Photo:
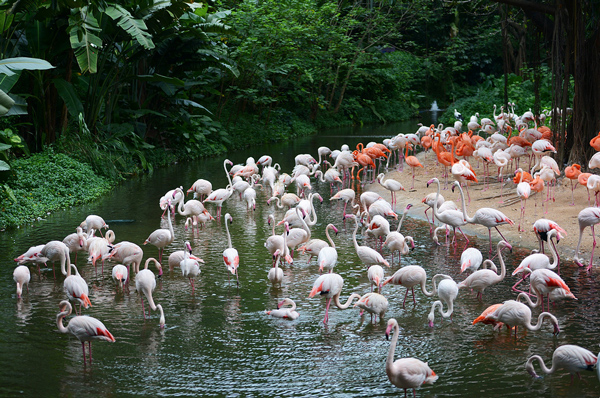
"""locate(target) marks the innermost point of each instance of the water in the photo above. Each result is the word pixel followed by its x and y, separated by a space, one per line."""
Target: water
pixel 219 342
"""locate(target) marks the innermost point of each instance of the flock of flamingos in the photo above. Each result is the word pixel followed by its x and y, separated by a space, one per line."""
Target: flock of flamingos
pixel 502 147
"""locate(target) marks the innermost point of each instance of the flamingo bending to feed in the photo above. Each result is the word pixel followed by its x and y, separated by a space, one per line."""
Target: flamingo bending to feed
pixel 128 254
pixel 286 313
pixel 487 320
pixel 373 303
pixel 470 259
pixel 410 276
pixel 569 357
pixel 447 291
pixel 75 241
pixel 515 314
pixel 486 216
pixel 93 222
pixel 453 218
pixel 406 372
pixel 31 256
pixel 145 282
pixel 542 226
pixel 278 242
pixel 201 188
pixel 85 328
pixel 347 195
pixel 55 251
pixel 77 289
pixel 120 274
pixel 314 246
pixel 538 261
pixel 230 255
pixel 395 240
pixel 162 237
pixel 275 274
pixel 483 278
pixel 375 274
pixel 21 276
pixel 330 286
pixel 587 217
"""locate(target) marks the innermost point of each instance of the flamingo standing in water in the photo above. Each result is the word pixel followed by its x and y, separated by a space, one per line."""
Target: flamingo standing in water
pixel 544 282
pixel 367 255
pixel 515 314
pixel 483 278
pixel 373 303
pixel 410 276
pixel 21 276
pixel 569 357
pixel 347 195
pixel 453 218
pixel 330 286
pixel 77 289
pixel 230 255
pixel 406 372
pixel 189 266
pixel 447 291
pixel 541 228
pixel 162 237
pixel 392 185
pixel 145 282
pixel 85 328
pixel 470 259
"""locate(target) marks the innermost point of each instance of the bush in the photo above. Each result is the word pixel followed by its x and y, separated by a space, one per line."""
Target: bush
pixel 46 182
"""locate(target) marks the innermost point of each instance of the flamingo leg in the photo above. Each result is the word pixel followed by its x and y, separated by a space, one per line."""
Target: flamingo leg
pixel 593 247
pixel 412 289
pixel 90 350
pixel 405 295
pixel 326 319
pixel 83 348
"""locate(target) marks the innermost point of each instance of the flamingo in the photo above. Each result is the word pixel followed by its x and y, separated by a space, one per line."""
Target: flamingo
pixel 410 276
pixel 145 282
pixel 572 172
pixel 327 258
pixel 218 197
pixel 55 251
pixel 367 255
pixel 275 274
pixel 486 319
pixel 486 216
pixel 483 278
pixel 582 180
pixel 523 192
pixel 75 241
pixel 515 314
pixel 287 313
pixel 453 218
pixel 77 289
pixel 201 188
pixel 85 328
pixel 392 185
pixel 191 208
pixel 330 286
pixel 429 200
pixel 120 274
pixel 413 162
pixel 537 261
pixel 447 291
pixel 543 282
pixel 93 222
pixel 501 159
pixel 189 267
pixel 379 227
pixel 470 259
pixel 375 274
pixel 21 276
pixel 542 226
pixel 373 303
pixel 162 237
pixel 587 217
pixel 314 246
pixel 569 357
pixel 31 256
pixel 128 254
pixel 230 255
pixel 395 240
pixel 278 242
pixel 406 372
pixel 347 195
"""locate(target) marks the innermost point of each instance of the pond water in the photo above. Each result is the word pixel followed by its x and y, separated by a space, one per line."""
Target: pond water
pixel 219 342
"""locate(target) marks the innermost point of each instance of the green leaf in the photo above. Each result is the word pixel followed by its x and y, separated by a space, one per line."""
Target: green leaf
pixel 191 103
pixel 8 65
pixel 84 41
pixel 4 167
pixel 155 78
pixel 5 103
pixel 69 96
pixel 136 28
pixel 4 147
pixel 19 107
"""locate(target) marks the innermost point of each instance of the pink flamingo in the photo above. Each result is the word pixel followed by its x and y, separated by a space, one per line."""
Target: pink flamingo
pixel 329 286
pixel 523 192
pixel 162 237
pixel 85 328
pixel 569 357
pixel 587 217
pixel 145 282
pixel 230 255
pixel 410 276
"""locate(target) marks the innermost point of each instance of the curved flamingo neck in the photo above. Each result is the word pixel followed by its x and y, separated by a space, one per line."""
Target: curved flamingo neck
pixel 424 288
pixel 502 265
pixel 464 206
pixel 162 315
pixel 331 243
pixel 390 358
pixel 61 315
pixel 227 172
pixel 356 247
pixel 336 301
pixel 540 319
pixel 528 300
pixel 542 364
pixel 401 220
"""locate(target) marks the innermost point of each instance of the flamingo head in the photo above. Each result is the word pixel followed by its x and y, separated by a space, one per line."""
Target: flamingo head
pixel 430 182
pixel 334 229
pixel 388 330
pixel 188 247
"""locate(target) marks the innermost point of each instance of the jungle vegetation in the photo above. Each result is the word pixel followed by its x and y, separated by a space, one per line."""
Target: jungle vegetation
pixel 136 84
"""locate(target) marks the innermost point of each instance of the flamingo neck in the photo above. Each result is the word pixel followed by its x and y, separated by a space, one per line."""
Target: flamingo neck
pixel 390 358
pixel 228 235
pixel 336 301
pixel 464 206
pixel 545 369
pixel 331 243
pixel 162 315
pixel 226 172
pixel 424 288
pixel 502 265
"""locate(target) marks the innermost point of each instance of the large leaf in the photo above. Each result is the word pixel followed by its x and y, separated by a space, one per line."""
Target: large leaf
pixel 8 65
pixel 5 103
pixel 69 96
pixel 83 28
pixel 136 28
pixel 19 107
pixel 4 166
pixel 156 78
pixel 191 103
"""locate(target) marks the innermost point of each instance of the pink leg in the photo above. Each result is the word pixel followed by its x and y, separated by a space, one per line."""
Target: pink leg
pixel 593 247
pixel 90 350
pixel 326 319
pixel 83 348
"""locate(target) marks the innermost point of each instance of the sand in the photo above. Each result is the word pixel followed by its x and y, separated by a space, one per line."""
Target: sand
pixel 561 211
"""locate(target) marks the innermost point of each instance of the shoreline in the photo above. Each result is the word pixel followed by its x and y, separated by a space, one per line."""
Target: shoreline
pixel 559 211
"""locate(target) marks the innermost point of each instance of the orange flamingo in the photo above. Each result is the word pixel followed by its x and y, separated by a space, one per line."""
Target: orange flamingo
pixel 364 160
pixel 526 177
pixel 413 162
pixel 582 179
pixel 572 173
pixel 537 185
pixel 595 142
pixel 444 158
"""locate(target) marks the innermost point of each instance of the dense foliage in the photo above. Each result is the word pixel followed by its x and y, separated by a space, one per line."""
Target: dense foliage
pixel 45 182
